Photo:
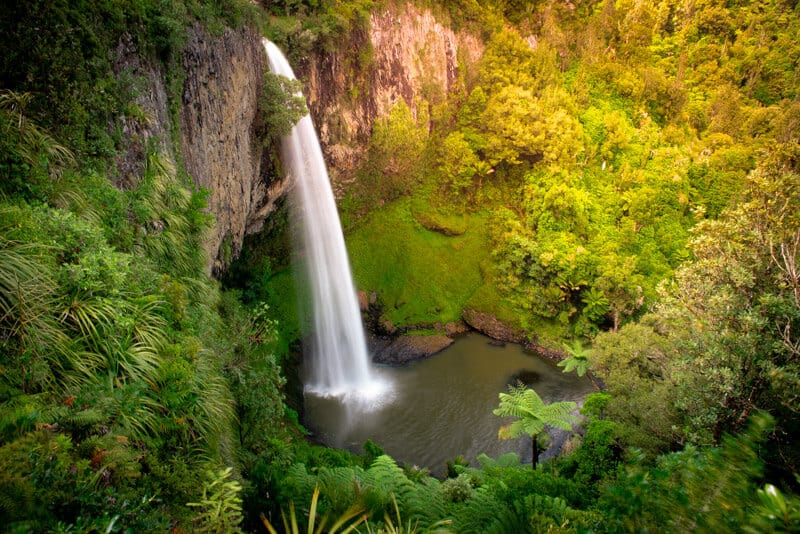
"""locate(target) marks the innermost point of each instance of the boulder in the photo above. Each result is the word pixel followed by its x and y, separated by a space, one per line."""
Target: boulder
pixel 408 348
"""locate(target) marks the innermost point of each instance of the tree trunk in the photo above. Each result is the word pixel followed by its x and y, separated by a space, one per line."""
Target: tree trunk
pixel 535 451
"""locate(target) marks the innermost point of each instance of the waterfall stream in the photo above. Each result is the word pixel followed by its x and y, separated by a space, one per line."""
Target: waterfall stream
pixel 337 361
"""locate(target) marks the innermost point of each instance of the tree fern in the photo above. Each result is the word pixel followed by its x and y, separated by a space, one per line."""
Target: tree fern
pixel 296 485
pixel 532 415
pixel 578 359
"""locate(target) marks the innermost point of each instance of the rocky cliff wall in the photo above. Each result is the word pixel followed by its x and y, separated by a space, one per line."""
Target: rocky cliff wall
pixel 413 57
pixel 218 121
pixel 221 150
pixel 409 55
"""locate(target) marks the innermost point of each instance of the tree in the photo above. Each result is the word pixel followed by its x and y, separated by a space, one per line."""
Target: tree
pixel 281 105
pixel 457 162
pixel 533 416
pixel 621 285
pixel 395 151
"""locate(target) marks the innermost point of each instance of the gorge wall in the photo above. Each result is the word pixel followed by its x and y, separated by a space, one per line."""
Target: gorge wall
pixel 217 126
pixel 219 140
pixel 413 57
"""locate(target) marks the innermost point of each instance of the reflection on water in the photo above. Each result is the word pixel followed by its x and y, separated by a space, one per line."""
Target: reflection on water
pixel 441 407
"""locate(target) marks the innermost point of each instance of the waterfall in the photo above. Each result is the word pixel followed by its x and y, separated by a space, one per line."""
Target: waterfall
pixel 338 362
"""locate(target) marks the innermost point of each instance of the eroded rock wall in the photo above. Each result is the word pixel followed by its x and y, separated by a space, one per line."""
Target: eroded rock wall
pixel 217 125
pixel 413 57
pixel 220 148
pixel 407 54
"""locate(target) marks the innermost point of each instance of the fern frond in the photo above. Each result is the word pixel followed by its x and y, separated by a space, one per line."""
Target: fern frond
pixel 480 512
pixel 385 478
pixel 426 504
pixel 337 484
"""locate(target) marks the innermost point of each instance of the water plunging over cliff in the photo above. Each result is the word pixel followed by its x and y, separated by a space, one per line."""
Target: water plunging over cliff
pixel 339 363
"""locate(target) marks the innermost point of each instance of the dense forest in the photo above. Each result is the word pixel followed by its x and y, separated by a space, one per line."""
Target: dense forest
pixel 620 180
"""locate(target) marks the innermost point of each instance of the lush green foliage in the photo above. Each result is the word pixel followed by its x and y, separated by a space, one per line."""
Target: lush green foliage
pixel 422 276
pixel 721 343
pixel 61 50
pixel 595 138
pixel 629 175
pixel 280 105
pixel 119 358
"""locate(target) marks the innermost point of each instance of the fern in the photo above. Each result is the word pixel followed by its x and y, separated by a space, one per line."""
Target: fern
pixel 297 485
pixel 385 478
pixel 509 459
pixel 425 503
pixel 84 418
pixel 220 508
pixel 480 512
pixel 19 415
pixel 16 497
pixel 341 486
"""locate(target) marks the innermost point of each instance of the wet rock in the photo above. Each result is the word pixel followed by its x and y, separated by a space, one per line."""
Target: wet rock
pixel 407 348
pixel 219 142
pixel 363 304
pixel 490 325
pixel 388 327
pixel 455 328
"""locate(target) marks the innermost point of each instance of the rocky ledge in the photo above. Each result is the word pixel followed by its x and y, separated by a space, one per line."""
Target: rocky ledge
pixel 488 324
pixel 406 348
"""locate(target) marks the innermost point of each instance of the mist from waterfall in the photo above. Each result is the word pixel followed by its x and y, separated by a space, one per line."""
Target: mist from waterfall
pixel 337 361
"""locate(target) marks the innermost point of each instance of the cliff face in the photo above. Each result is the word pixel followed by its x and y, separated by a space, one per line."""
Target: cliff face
pixel 223 75
pixel 414 57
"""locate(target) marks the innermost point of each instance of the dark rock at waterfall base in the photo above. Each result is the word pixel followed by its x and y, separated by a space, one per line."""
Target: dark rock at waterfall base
pixel 404 349
pixel 377 344
pixel 497 343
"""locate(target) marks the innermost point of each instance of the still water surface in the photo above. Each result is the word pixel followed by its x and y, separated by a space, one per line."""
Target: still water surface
pixel 442 406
